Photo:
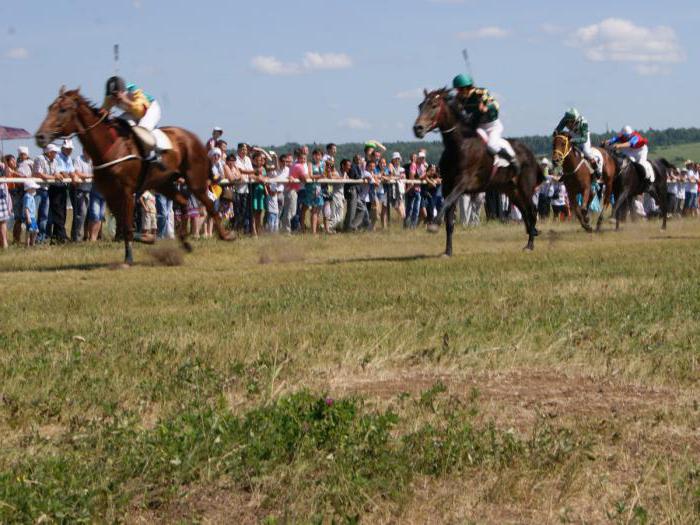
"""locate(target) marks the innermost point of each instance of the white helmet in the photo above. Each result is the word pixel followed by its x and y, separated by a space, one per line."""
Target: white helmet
pixel 627 131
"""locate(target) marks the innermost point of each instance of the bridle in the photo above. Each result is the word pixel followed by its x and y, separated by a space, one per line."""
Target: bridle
pixel 81 129
pixel 559 156
pixel 439 115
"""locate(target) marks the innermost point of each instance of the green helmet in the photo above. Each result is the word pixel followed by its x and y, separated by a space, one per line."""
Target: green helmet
pixel 572 114
pixel 462 81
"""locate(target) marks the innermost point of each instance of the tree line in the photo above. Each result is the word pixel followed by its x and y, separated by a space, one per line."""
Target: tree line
pixel 539 144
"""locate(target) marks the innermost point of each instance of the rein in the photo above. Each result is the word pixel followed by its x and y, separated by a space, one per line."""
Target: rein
pixel 83 130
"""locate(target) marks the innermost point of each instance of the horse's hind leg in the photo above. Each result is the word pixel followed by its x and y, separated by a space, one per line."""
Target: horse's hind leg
pixel 521 202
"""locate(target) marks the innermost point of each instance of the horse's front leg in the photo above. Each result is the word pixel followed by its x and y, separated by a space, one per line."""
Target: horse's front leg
pixel 449 228
pixel 128 227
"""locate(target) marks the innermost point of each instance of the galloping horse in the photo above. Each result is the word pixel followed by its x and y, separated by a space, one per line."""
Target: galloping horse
pixel 632 181
pixel 119 169
pixel 578 177
pixel 466 166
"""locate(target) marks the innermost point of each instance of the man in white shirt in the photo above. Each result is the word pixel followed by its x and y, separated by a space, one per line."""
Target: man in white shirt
pixel 80 196
pixel 241 208
pixel 46 168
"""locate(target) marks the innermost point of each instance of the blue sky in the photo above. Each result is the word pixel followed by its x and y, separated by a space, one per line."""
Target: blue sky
pixel 271 71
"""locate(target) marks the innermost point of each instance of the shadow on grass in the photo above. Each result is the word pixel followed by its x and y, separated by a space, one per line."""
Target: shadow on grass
pixel 398 258
pixel 64 267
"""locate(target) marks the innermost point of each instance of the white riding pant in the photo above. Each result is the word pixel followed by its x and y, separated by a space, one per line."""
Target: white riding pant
pixel 150 120
pixel 589 153
pixel 639 155
pixel 495 142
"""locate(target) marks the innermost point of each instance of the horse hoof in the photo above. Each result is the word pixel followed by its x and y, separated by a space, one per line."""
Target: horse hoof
pixel 433 228
pixel 187 246
pixel 529 247
pixel 148 239
pixel 446 255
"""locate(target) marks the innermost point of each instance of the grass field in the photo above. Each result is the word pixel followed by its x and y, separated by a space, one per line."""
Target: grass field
pixel 678 154
pixel 356 379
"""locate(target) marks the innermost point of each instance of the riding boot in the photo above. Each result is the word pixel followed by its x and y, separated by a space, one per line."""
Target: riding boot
pixel 512 159
pixel 156 159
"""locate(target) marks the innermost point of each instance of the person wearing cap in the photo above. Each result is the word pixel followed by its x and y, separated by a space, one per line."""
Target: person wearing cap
pixel 477 109
pixel 45 168
pixel 29 212
pixel 80 197
pixel 635 147
pixel 216 134
pixel 577 126
pixel 397 173
pixel 58 193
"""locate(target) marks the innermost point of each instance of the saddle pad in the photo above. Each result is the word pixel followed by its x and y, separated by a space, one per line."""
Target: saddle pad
pixel 598 156
pixel 162 141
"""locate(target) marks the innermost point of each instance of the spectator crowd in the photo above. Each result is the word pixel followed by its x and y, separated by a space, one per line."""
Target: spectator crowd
pixel 258 191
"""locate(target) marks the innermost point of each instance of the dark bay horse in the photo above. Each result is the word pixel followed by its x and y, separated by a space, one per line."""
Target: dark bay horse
pixel 632 181
pixel 578 177
pixel 466 166
pixel 119 170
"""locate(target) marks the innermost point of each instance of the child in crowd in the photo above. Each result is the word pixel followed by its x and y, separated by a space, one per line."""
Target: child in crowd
pixel 314 198
pixel 29 212
pixel 148 213
pixel 272 205
pixel 5 209
pixel 259 192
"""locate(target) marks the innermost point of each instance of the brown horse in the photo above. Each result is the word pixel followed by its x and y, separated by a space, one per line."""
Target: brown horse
pixel 120 172
pixel 578 177
pixel 466 166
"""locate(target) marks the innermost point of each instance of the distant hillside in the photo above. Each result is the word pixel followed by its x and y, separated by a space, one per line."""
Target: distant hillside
pixel 678 153
pixel 681 142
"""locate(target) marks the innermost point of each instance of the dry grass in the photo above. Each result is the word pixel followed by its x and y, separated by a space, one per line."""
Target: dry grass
pixel 594 334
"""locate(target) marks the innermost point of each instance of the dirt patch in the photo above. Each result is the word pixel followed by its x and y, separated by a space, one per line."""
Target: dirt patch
pixel 221 503
pixel 518 398
pixel 167 256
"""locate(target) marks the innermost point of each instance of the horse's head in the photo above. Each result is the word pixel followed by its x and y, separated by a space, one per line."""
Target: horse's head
pixel 61 119
pixel 561 147
pixel 433 113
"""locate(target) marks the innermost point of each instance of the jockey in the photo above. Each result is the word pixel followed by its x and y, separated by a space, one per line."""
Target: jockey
pixel 577 126
pixel 633 146
pixel 138 106
pixel 477 109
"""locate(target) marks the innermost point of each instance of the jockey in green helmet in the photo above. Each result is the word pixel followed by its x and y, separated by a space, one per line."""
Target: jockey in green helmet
pixel 577 126
pixel 477 109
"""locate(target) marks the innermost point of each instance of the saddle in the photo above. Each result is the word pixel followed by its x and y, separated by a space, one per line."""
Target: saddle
pixel 151 141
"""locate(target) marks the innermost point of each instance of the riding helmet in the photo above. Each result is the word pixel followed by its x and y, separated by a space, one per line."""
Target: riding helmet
pixel 572 114
pixel 462 81
pixel 115 85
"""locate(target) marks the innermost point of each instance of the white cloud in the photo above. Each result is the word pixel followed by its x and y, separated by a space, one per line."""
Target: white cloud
pixel 272 66
pixel 312 61
pixel 354 123
pixel 410 94
pixel 484 32
pixel 136 3
pixel 17 53
pixel 619 40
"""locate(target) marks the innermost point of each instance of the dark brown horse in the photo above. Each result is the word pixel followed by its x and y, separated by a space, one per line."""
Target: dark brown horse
pixel 632 181
pixel 578 177
pixel 466 166
pixel 119 169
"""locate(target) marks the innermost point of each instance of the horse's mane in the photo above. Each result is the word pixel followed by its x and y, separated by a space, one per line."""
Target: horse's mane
pixel 666 164
pixel 120 125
